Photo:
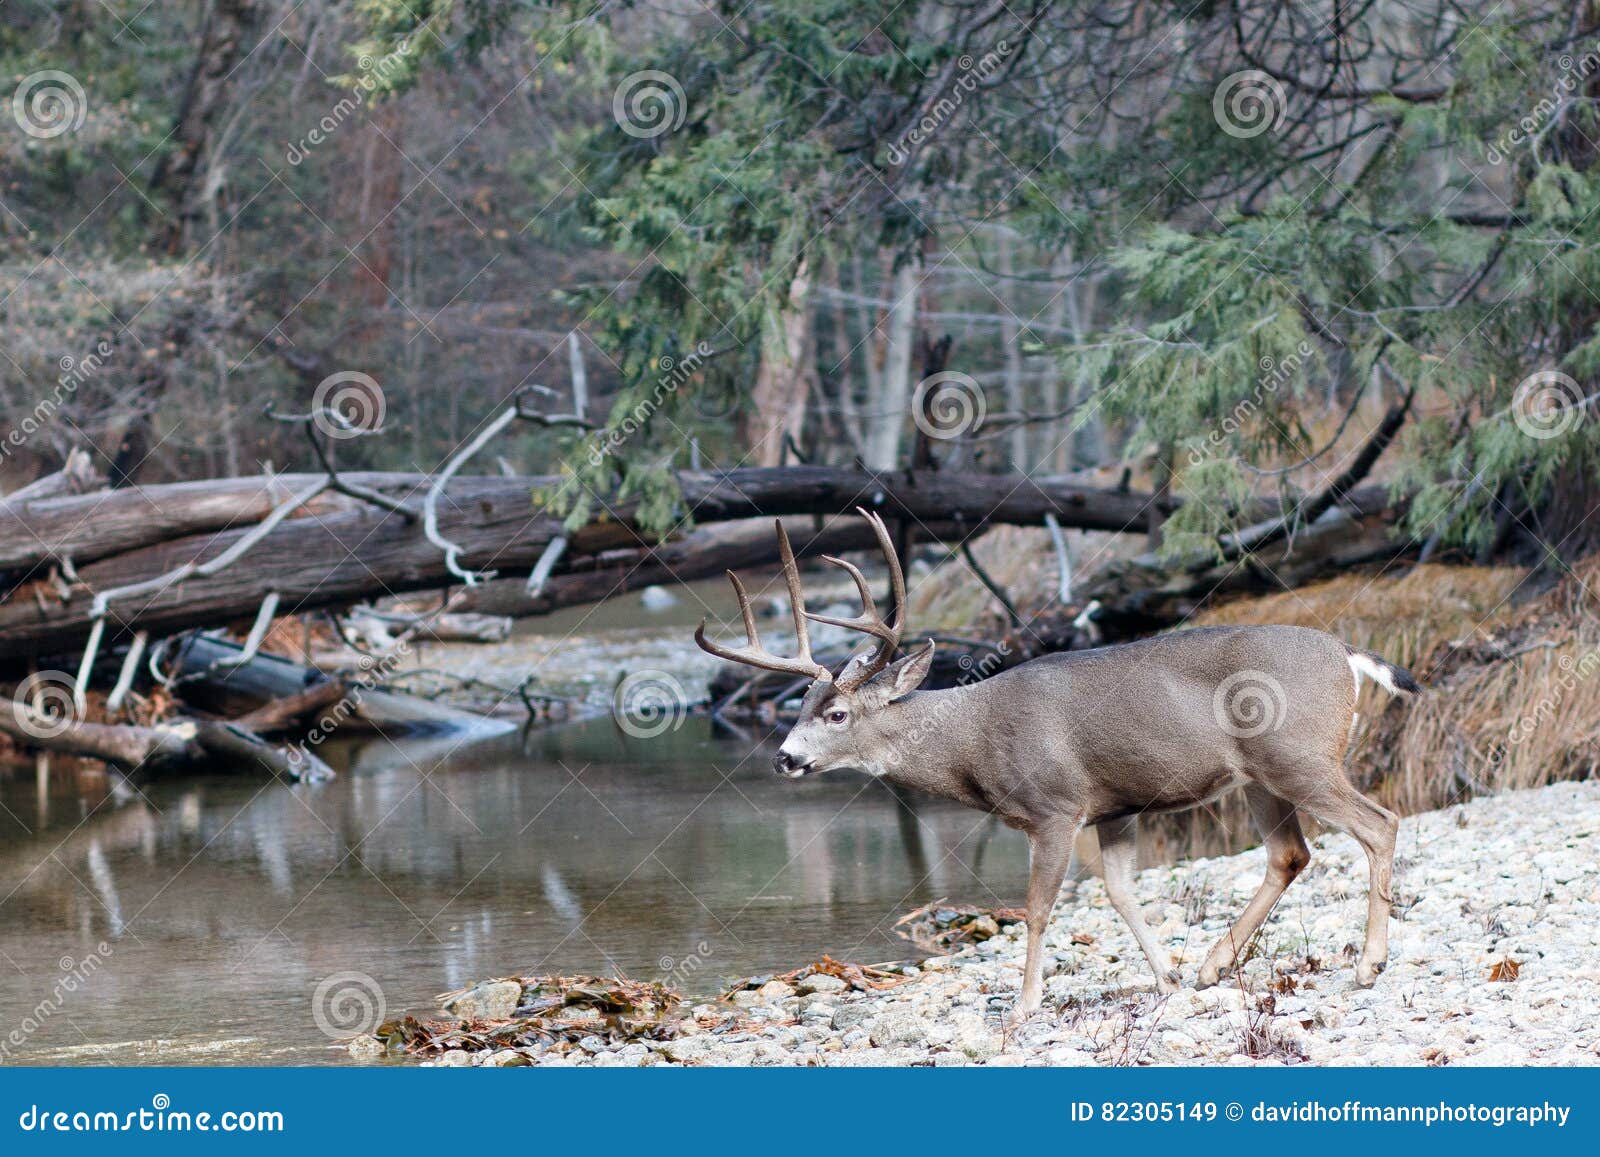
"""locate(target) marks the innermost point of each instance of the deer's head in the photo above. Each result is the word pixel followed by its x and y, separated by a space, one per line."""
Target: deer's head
pixel 842 718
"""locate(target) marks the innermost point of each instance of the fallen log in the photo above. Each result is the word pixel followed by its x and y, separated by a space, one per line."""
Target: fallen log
pixel 93 526
pixel 76 476
pixel 336 550
pixel 207 671
pixel 702 553
pixel 180 744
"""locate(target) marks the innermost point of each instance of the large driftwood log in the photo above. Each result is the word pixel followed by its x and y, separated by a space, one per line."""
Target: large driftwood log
pixel 87 527
pixel 179 744
pixel 336 550
pixel 702 553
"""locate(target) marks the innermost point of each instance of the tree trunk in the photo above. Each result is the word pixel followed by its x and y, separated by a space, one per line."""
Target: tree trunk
pixel 783 380
pixel 888 410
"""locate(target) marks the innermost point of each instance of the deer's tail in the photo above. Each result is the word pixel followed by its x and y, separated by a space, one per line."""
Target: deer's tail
pixel 1392 678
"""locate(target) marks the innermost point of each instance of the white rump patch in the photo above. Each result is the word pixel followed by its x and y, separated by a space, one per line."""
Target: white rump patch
pixel 1362 665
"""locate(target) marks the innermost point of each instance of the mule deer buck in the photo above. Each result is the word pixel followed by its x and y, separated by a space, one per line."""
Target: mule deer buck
pixel 1102 737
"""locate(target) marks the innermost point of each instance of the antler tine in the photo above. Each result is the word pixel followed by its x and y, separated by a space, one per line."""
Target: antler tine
pixel 897 578
pixel 755 653
pixel 797 598
pixel 870 621
pixel 752 635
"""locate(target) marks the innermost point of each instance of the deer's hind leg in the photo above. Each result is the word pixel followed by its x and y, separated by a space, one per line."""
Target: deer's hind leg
pixel 1287 856
pixel 1375 829
pixel 1119 845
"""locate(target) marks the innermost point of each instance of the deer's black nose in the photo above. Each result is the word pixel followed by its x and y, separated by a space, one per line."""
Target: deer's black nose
pixel 782 762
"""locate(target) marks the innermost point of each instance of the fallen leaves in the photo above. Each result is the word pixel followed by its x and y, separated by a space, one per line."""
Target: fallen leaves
pixel 1504 971
pixel 862 977
pixel 942 926
pixel 554 1012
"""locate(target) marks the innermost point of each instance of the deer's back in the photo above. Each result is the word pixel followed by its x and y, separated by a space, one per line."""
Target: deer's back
pixel 1168 722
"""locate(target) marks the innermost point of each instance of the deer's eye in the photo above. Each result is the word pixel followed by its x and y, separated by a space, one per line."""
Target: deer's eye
pixel 836 716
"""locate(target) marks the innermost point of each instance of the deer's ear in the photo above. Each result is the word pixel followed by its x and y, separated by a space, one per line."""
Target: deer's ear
pixel 903 676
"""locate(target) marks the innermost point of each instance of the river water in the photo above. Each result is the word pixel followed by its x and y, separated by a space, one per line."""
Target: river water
pixel 196 919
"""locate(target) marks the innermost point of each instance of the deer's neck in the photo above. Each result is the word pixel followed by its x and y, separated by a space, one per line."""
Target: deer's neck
pixel 933 744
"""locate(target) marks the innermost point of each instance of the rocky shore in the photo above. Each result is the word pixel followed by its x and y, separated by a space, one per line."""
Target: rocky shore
pixel 1494 960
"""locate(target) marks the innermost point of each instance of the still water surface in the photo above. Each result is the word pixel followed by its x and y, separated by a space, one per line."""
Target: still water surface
pixel 426 865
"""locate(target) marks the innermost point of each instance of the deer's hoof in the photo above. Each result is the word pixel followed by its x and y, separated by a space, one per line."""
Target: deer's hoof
pixel 1367 972
pixel 1168 983
pixel 1027 1004
pixel 1208 977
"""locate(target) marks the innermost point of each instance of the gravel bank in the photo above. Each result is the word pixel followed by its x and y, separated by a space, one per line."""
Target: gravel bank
pixel 1507 887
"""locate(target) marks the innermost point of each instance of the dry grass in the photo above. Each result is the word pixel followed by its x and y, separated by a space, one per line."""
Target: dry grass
pixel 1513 684
pixel 1517 708
pixel 1403 618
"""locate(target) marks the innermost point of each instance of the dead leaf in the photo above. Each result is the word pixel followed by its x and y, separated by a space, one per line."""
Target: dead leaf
pixel 1505 970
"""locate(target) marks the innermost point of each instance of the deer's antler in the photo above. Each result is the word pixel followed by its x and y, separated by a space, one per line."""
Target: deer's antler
pixel 755 654
pixel 869 621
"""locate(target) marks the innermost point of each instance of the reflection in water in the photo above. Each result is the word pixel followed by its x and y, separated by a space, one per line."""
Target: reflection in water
pixel 427 866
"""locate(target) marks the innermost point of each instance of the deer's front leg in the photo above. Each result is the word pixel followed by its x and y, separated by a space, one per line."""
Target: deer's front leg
pixel 1049 853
